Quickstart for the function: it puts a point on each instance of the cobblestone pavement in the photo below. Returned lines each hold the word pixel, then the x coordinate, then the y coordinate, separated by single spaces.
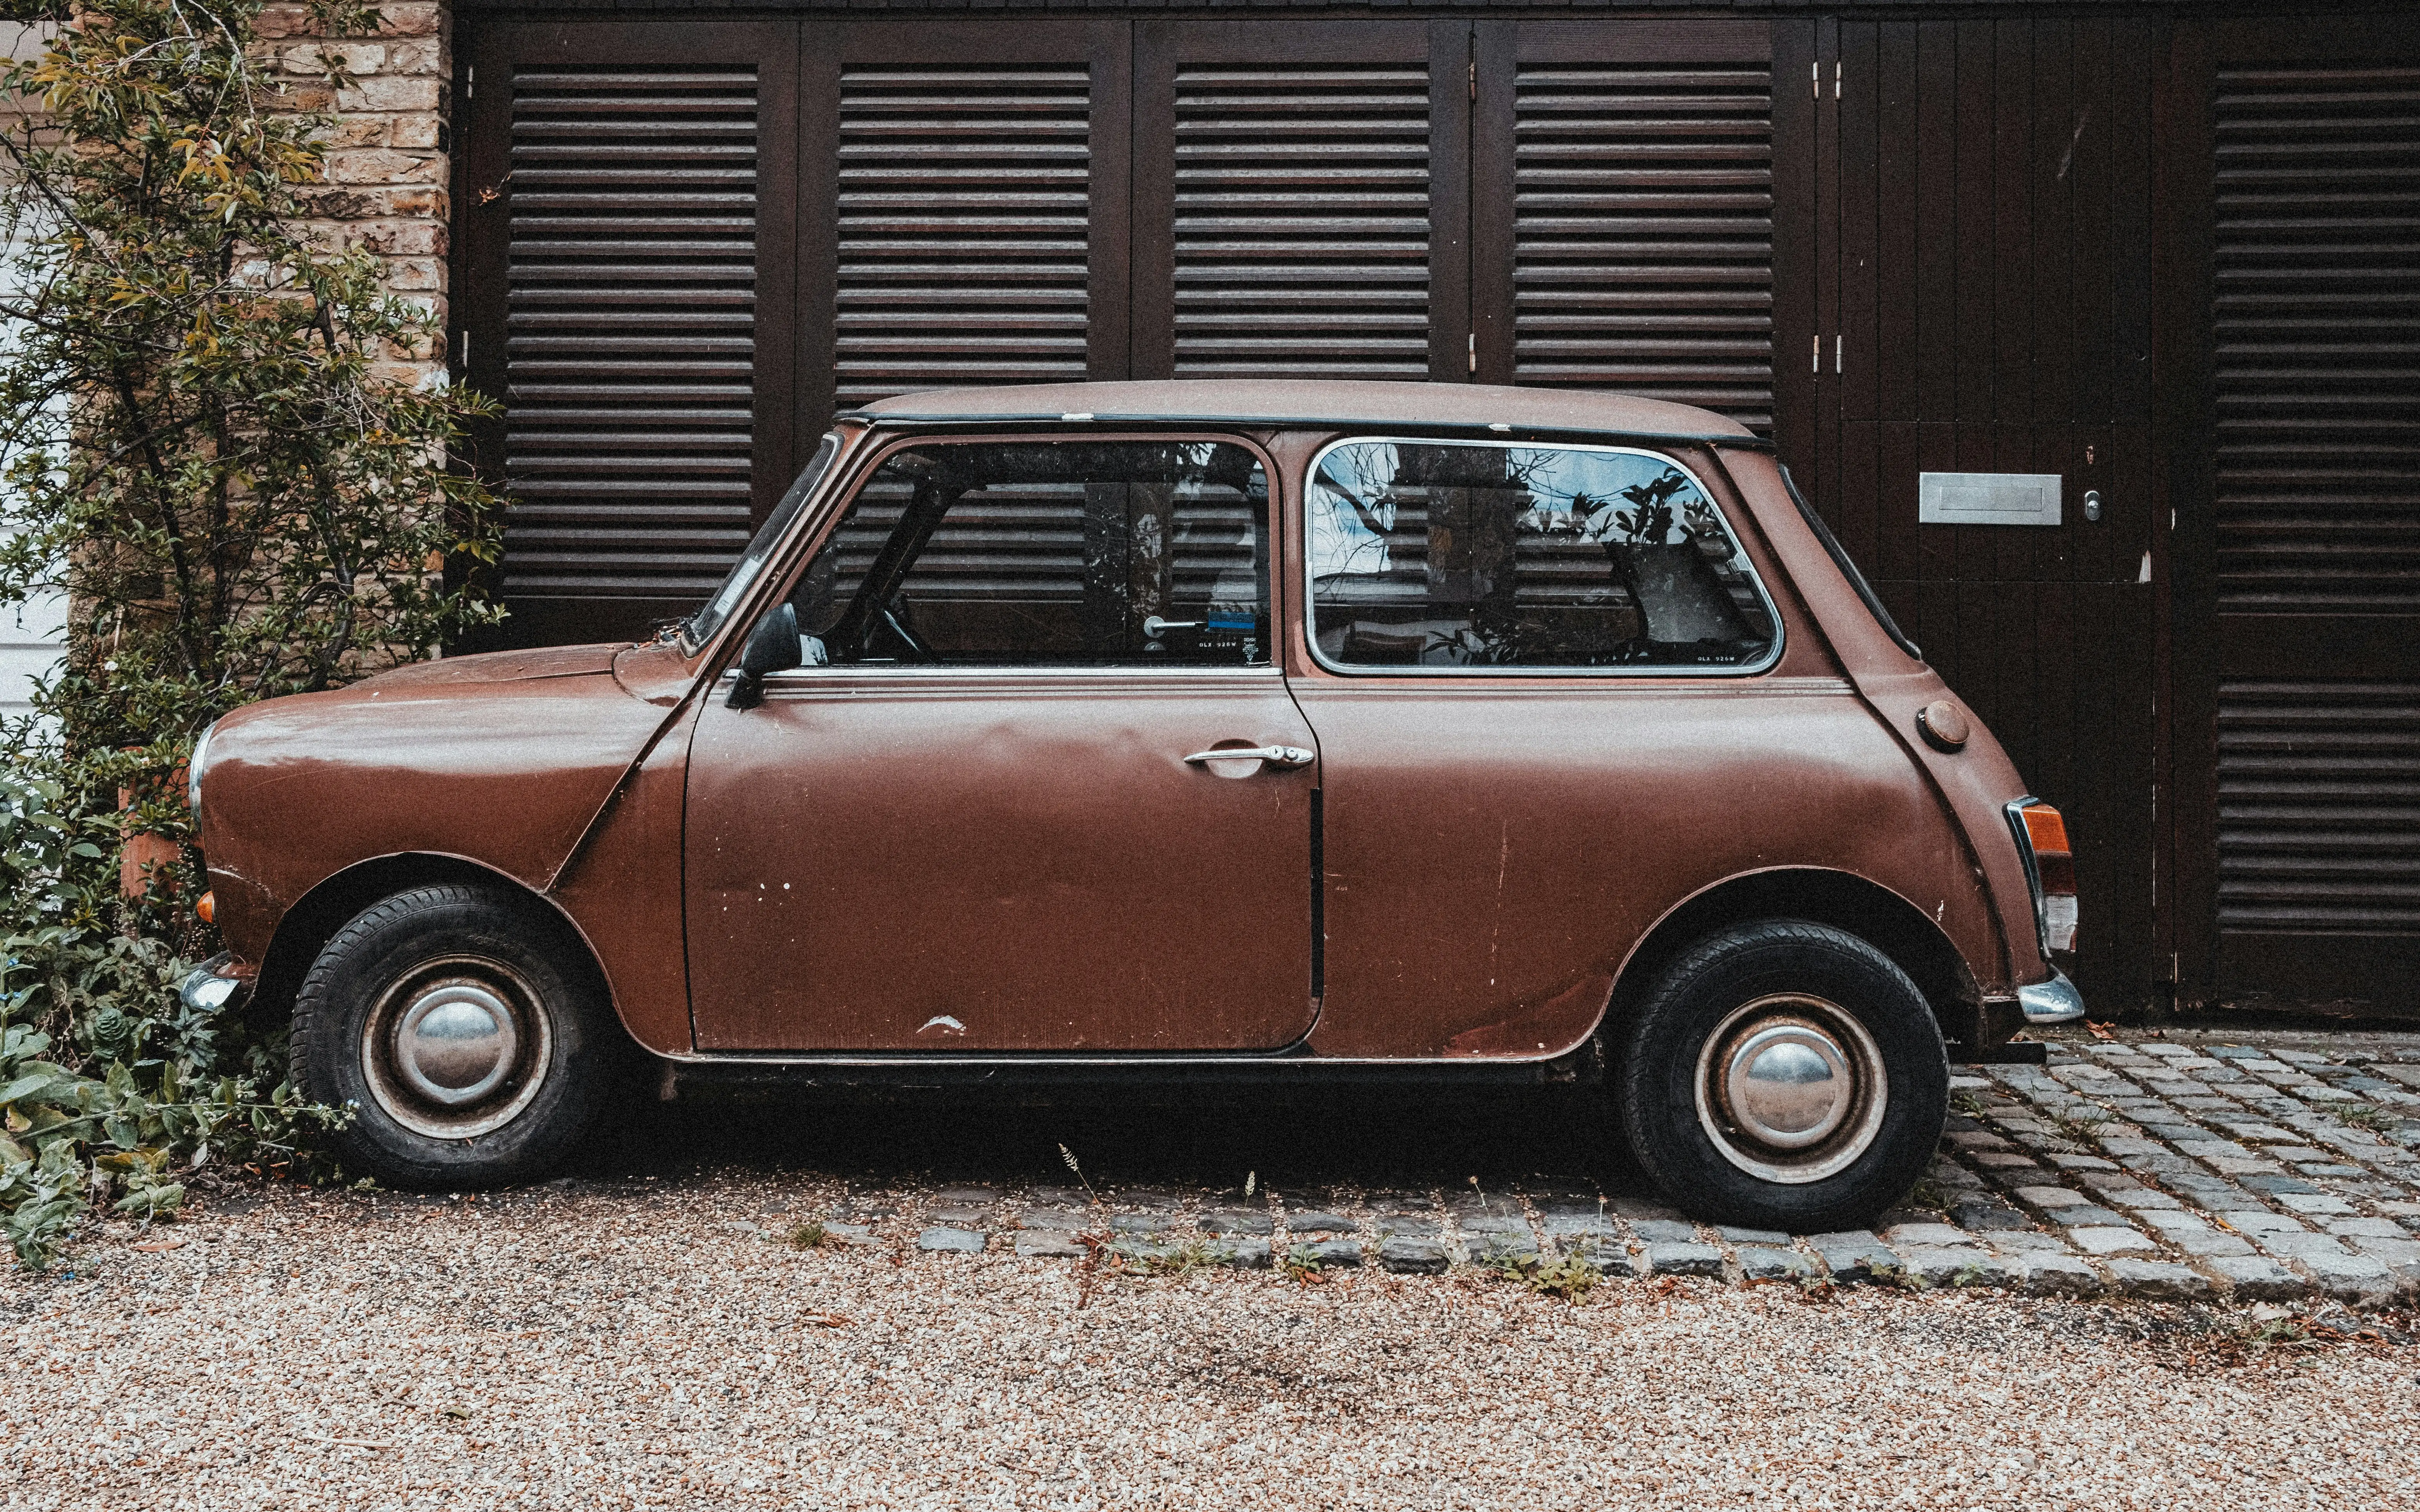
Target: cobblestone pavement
pixel 2198 1167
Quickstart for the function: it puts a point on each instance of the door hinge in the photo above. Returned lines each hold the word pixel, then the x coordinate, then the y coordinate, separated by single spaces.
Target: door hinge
pixel 471 81
pixel 1836 352
pixel 1815 77
pixel 1836 78
pixel 1474 78
pixel 1817 367
pixel 1474 352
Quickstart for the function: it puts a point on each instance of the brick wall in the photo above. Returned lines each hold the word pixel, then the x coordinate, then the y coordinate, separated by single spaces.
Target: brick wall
pixel 387 162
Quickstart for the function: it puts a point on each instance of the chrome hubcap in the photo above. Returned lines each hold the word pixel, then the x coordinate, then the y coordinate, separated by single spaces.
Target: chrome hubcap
pixel 456 1048
pixel 1790 1088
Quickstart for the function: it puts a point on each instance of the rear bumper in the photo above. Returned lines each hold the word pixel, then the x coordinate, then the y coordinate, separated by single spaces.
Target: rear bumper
pixel 2055 1001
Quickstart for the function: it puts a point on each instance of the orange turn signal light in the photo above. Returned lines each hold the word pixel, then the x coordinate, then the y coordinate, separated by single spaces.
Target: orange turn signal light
pixel 2045 829
pixel 206 908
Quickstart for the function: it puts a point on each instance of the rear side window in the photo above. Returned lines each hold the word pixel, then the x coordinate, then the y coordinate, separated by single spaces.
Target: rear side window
pixel 1047 553
pixel 1470 556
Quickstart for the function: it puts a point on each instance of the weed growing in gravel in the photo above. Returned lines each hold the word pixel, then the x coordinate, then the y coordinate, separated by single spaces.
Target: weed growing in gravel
pixel 1183 1260
pixel 2082 1128
pixel 1967 1104
pixel 1302 1264
pixel 1928 1193
pixel 809 1235
pixel 1569 1276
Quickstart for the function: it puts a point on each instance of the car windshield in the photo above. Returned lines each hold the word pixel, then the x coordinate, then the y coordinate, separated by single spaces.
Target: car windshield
pixel 709 618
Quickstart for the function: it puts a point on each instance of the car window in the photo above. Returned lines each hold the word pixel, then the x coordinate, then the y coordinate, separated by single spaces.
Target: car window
pixel 1470 555
pixel 710 615
pixel 1047 553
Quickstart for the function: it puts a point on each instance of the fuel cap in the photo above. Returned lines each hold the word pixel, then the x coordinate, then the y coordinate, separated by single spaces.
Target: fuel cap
pixel 1943 724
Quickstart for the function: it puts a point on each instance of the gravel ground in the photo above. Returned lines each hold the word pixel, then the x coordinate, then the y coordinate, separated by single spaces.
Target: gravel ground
pixel 651 1344
pixel 979 1330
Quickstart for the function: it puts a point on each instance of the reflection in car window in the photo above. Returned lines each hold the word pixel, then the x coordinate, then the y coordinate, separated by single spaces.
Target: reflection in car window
pixel 1047 553
pixel 752 561
pixel 1468 555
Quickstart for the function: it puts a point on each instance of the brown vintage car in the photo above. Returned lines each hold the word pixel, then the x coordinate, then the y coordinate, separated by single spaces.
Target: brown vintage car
pixel 1181 730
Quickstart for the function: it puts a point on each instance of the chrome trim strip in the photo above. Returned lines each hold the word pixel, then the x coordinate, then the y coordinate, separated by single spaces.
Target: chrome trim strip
pixel 2055 1001
pixel 1310 589
pixel 2013 811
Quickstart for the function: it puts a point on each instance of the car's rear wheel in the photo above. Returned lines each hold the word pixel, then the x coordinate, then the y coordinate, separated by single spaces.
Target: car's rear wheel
pixel 1784 1074
pixel 467 1030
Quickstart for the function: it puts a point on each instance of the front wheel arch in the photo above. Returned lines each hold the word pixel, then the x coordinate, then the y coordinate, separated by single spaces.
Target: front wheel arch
pixel 304 929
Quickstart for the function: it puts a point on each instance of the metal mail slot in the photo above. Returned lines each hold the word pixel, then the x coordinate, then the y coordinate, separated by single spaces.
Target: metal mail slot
pixel 1987 497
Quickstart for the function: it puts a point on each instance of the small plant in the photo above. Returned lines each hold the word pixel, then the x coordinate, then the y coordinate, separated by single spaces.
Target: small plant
pixel 1570 1277
pixel 1967 1104
pixel 1069 1156
pixel 2080 1128
pixel 1176 1260
pixel 1301 1262
pixel 2367 1115
pixel 808 1234
pixel 1928 1193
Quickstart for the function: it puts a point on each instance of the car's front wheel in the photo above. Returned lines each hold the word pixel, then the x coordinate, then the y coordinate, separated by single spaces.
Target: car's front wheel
pixel 1784 1074
pixel 466 1029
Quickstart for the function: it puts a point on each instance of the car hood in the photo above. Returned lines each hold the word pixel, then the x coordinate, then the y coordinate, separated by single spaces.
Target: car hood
pixel 499 667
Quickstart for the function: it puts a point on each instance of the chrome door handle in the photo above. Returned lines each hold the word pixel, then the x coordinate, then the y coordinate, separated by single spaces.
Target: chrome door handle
pixel 1154 626
pixel 1283 757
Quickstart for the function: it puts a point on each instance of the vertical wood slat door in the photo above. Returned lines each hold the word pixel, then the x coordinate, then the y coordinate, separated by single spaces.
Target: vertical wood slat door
pixel 1301 200
pixel 2310 530
pixel 626 198
pixel 1623 233
pixel 963 194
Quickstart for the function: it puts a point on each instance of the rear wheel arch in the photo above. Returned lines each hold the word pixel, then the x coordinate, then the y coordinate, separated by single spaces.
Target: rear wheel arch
pixel 1848 903
pixel 305 929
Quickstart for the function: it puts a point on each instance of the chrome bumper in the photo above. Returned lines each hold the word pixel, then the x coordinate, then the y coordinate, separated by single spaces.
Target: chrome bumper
pixel 2055 1001
pixel 205 991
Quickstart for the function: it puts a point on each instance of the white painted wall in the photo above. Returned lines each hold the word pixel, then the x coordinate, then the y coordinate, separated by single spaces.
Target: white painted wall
pixel 32 634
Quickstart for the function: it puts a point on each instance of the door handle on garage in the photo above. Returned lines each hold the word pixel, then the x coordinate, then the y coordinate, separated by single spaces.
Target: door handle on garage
pixel 1282 757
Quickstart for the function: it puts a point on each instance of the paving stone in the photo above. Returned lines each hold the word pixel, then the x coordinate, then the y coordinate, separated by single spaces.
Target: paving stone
pixel 2159 1280
pixel 1670 1257
pixel 849 1233
pixel 1140 1222
pixel 1764 1262
pixel 1856 1256
pixel 2245 1166
pixel 2259 1278
pixel 1496 1224
pixel 1980 1215
pixel 1319 1222
pixel 1042 1243
pixel 1664 1231
pixel 2210 1245
pixel 2095 1238
pixel 2028 1242
pixel 2312 1202
pixel 1907 1236
pixel 1242 1254
pixel 2083 1162
pixel 2355 1278
pixel 1999 1161
pixel 1236 1223
pixel 2305 1246
pixel 2398 1254
pixel 2280 1186
pixel 951 1241
pixel 2053 1196
pixel 2095 1217
pixel 1639 1209
pixel 1406 1227
pixel 1413 1256
pixel 2058 1275
pixel 1577 1225
pixel 965 1196
pixel 1959 1267
pixel 1336 1254
pixel 1752 1236
pixel 2372 1227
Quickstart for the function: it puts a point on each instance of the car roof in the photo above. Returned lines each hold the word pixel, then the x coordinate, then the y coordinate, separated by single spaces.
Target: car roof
pixel 1301 404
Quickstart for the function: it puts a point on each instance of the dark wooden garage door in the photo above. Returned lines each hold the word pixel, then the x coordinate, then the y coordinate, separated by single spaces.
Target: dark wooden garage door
pixel 684 247
pixel 2309 550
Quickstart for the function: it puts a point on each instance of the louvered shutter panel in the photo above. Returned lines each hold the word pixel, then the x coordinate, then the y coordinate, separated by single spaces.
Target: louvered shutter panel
pixel 2318 789
pixel 964 198
pixel 1643 231
pixel 629 333
pixel 2318 317
pixel 1301 234
pixel 2316 499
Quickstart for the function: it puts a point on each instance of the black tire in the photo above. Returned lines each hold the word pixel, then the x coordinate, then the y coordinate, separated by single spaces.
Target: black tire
pixel 458 992
pixel 1728 1051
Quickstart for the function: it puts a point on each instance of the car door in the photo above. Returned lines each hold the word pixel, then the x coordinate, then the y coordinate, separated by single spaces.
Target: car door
pixel 987 814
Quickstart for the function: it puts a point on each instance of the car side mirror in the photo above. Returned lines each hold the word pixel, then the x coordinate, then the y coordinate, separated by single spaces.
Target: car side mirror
pixel 772 647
